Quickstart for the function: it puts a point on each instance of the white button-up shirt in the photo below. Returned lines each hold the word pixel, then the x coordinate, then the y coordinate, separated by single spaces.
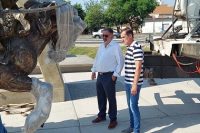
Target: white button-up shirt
pixel 109 59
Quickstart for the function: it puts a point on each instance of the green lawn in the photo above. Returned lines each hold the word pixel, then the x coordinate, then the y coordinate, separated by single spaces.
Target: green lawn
pixel 89 51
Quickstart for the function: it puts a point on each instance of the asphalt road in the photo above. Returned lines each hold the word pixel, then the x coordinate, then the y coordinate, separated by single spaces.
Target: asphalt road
pixel 88 41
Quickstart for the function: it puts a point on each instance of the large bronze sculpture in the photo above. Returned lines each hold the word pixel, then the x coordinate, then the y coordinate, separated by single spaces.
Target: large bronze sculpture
pixel 23 36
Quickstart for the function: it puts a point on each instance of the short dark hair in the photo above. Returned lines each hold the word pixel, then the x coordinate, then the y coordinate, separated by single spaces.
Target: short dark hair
pixel 128 31
pixel 109 30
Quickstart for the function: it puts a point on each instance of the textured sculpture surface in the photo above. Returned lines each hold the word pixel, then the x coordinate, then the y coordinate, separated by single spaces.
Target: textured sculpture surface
pixel 20 47
pixel 23 36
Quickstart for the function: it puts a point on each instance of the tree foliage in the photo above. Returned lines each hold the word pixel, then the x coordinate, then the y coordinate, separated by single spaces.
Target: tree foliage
pixel 129 11
pixel 94 15
pixel 118 12
pixel 80 10
pixel 114 12
pixel 145 7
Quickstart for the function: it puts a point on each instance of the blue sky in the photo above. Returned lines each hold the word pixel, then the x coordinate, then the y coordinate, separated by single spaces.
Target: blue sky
pixel 78 1
pixel 170 2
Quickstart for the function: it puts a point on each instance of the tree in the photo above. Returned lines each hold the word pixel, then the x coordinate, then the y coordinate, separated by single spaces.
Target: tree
pixel 94 15
pixel 114 12
pixel 80 10
pixel 129 11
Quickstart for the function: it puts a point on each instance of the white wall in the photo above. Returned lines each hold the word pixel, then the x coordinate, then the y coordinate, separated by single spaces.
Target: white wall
pixel 159 26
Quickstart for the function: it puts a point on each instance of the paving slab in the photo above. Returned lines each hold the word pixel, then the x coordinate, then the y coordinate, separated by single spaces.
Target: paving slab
pixel 62 116
pixel 176 124
pixel 61 130
pixel 174 98
pixel 173 106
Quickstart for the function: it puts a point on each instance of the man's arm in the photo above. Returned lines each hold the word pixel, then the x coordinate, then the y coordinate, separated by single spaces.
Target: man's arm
pixel 138 57
pixel 93 69
pixel 120 62
pixel 138 65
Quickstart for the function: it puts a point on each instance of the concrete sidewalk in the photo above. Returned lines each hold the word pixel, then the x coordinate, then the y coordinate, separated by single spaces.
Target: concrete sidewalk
pixel 171 106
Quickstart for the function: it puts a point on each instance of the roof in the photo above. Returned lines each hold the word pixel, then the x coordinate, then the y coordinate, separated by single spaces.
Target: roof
pixel 163 10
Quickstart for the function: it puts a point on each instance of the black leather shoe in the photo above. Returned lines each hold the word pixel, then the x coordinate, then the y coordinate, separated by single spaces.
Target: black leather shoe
pixel 98 119
pixel 112 124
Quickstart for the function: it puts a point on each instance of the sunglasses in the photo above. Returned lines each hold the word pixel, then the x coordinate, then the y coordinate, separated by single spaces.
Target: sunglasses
pixel 105 36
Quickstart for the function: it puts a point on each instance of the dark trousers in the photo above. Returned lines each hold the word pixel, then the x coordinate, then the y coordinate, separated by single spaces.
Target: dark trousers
pixel 105 87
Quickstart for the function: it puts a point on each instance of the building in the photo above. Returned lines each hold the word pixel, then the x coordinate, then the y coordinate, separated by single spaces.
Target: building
pixel 159 2
pixel 160 20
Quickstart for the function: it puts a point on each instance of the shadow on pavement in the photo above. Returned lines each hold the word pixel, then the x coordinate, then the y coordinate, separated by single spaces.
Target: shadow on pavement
pixel 150 124
pixel 87 88
pixel 79 90
pixel 181 115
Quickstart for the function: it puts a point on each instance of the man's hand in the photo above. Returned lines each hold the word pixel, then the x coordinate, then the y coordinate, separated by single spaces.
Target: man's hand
pixel 93 76
pixel 114 78
pixel 134 90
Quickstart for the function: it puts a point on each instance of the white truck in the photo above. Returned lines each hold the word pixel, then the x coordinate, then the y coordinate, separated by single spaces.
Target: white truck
pixel 176 42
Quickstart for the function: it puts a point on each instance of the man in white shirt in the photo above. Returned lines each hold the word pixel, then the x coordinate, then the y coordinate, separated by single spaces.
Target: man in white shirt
pixel 108 63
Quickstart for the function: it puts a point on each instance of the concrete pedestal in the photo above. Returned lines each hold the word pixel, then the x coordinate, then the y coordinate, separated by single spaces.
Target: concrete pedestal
pixel 51 73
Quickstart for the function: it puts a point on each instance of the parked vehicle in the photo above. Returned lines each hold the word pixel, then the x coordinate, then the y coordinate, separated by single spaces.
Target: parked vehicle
pixel 98 34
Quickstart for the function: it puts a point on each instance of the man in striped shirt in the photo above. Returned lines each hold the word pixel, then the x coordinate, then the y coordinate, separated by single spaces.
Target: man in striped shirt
pixel 134 59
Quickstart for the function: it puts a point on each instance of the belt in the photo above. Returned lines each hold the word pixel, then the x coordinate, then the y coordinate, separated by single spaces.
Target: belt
pixel 104 73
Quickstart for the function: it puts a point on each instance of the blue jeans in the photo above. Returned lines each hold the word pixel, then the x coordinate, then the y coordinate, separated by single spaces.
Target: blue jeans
pixel 2 128
pixel 134 112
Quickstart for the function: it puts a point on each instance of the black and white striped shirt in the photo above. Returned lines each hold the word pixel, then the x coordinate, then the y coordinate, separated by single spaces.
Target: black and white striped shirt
pixel 134 53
